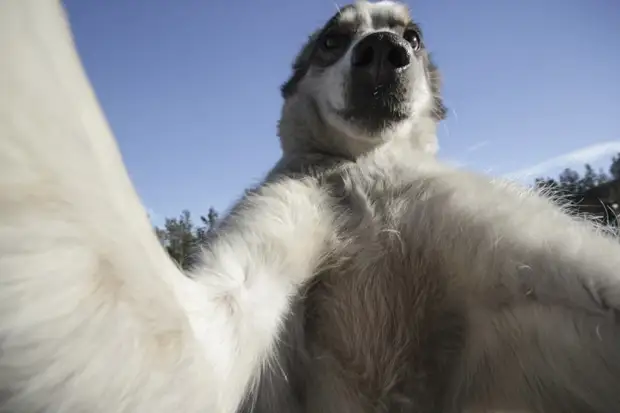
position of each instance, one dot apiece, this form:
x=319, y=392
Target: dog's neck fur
x=306, y=136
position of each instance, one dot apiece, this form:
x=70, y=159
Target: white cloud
x=455, y=163
x=579, y=157
x=476, y=146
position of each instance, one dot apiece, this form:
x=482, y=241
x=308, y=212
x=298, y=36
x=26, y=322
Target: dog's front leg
x=94, y=317
x=540, y=291
x=274, y=241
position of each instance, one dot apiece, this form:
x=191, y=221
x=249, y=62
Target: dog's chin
x=376, y=104
x=374, y=117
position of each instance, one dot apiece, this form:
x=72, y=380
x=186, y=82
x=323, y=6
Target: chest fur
x=379, y=325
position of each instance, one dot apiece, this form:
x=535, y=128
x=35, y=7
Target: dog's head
x=368, y=77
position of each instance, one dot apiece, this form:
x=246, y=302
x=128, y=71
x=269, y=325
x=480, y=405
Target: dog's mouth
x=375, y=104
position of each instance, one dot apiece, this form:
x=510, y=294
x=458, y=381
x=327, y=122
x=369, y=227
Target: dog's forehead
x=378, y=15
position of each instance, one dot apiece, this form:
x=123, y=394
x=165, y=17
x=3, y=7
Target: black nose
x=381, y=54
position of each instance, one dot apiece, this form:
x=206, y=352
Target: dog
x=362, y=276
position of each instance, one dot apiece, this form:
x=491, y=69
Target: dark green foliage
x=571, y=182
x=182, y=237
x=614, y=169
x=593, y=193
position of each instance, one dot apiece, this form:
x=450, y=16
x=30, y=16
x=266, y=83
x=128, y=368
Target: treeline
x=595, y=195
x=598, y=192
x=570, y=182
x=181, y=236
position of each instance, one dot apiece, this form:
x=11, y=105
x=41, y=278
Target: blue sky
x=191, y=87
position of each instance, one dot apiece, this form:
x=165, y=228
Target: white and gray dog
x=361, y=276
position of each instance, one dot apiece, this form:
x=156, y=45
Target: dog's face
x=368, y=72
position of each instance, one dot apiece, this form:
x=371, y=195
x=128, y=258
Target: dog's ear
x=300, y=66
x=440, y=111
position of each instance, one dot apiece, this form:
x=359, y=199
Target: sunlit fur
x=430, y=289
x=452, y=291
x=94, y=317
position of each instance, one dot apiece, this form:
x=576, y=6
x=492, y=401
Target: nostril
x=398, y=57
x=363, y=57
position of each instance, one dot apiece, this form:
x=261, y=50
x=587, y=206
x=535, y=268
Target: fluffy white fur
x=94, y=317
x=93, y=314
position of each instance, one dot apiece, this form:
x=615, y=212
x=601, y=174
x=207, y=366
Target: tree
x=208, y=224
x=589, y=179
x=602, y=177
x=547, y=184
x=614, y=169
x=212, y=217
x=589, y=187
x=570, y=181
x=181, y=237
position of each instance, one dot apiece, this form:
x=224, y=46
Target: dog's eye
x=334, y=41
x=413, y=37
